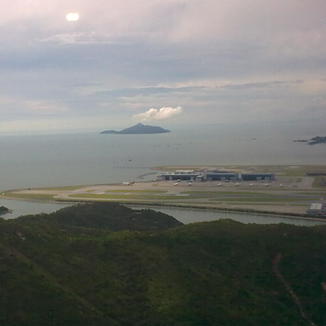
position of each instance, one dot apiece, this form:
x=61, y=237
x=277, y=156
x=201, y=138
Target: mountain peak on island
x=138, y=128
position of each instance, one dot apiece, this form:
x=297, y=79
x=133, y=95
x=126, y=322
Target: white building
x=318, y=209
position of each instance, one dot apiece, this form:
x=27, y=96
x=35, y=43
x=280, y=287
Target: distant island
x=139, y=128
x=313, y=141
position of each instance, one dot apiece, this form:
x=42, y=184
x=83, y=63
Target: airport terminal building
x=221, y=176
x=317, y=209
x=257, y=176
x=191, y=175
x=183, y=175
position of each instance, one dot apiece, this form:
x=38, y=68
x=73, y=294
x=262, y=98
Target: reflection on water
x=187, y=216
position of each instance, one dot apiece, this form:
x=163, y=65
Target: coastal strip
x=291, y=191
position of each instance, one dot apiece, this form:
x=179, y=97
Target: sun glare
x=72, y=17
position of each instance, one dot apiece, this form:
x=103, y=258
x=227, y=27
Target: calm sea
x=57, y=160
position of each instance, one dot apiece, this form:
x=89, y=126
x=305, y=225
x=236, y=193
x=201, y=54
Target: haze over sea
x=91, y=158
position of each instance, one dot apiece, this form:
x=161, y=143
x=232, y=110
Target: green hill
x=105, y=264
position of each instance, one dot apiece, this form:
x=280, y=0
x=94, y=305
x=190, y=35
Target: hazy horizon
x=293, y=129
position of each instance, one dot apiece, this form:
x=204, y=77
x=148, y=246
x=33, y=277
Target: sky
x=164, y=62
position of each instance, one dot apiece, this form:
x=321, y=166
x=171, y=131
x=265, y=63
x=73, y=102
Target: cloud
x=159, y=114
x=44, y=107
x=79, y=38
x=12, y=107
x=222, y=60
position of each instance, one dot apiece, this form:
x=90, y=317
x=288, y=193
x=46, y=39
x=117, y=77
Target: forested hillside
x=105, y=264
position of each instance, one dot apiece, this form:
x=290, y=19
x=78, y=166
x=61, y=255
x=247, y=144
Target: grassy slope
x=69, y=268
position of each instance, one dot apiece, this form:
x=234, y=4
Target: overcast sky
x=172, y=62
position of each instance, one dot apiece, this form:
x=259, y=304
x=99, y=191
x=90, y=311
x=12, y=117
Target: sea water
x=77, y=159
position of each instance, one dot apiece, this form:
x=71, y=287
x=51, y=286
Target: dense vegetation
x=105, y=264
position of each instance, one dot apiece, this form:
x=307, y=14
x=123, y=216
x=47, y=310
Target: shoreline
x=288, y=215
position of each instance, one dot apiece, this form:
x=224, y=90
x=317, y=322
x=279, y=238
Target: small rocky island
x=4, y=210
x=313, y=141
x=139, y=128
